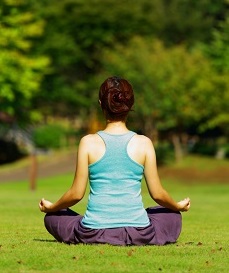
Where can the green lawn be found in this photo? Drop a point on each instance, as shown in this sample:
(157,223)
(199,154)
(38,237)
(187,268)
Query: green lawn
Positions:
(25,246)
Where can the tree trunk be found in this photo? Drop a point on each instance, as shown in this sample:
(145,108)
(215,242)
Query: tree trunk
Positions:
(177,147)
(33,172)
(94,124)
(149,130)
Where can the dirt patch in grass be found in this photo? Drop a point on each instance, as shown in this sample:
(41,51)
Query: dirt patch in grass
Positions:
(47,165)
(193,175)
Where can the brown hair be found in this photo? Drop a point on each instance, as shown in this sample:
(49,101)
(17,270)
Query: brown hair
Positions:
(116,97)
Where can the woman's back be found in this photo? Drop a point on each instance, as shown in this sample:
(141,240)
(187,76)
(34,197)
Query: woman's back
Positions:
(115,185)
(136,148)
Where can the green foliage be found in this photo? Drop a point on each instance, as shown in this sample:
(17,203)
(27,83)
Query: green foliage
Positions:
(189,22)
(205,148)
(52,58)
(217,147)
(226,149)
(164,152)
(49,136)
(218,50)
(9,152)
(20,70)
(75,44)
(174,87)
(77,32)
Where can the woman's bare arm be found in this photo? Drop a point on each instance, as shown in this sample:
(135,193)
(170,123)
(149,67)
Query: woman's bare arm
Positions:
(78,188)
(156,190)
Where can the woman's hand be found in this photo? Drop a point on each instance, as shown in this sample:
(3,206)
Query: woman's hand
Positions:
(184,205)
(45,205)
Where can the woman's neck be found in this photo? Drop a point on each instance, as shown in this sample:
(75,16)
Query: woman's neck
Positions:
(116,127)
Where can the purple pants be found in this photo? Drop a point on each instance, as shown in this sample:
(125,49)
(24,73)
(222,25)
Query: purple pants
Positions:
(165,227)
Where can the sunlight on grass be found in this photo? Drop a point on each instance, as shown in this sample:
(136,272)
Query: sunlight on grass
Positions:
(201,163)
(25,246)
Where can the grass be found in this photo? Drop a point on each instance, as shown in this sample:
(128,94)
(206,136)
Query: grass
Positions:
(201,163)
(25,246)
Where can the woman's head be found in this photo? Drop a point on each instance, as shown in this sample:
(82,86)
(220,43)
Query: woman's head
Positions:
(116,97)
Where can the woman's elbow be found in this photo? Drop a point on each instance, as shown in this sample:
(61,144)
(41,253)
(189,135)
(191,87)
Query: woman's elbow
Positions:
(77,197)
(157,196)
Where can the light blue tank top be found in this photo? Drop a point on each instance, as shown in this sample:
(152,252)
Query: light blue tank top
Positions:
(115,187)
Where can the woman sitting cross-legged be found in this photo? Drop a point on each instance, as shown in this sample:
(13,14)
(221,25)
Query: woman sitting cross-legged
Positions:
(115,160)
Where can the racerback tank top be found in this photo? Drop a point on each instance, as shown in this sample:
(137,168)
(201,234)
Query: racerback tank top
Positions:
(115,187)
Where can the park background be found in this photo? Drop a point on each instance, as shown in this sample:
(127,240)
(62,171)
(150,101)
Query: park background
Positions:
(54,55)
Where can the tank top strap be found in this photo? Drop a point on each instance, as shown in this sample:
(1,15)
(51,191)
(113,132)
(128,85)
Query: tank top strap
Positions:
(116,143)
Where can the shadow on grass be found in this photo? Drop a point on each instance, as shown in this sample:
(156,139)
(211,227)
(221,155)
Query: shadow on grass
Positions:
(45,241)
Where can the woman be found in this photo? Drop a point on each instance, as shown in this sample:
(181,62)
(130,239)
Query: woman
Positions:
(115,161)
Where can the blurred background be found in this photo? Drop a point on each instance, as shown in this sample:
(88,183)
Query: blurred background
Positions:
(55,54)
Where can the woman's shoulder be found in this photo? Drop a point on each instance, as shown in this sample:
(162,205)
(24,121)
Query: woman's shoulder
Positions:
(94,146)
(90,138)
(144,142)
(138,148)
(142,139)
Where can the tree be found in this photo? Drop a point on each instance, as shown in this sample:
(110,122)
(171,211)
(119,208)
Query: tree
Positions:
(76,34)
(217,51)
(189,22)
(175,88)
(21,71)
(78,31)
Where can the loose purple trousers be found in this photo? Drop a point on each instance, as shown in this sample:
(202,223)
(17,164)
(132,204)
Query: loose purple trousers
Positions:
(165,227)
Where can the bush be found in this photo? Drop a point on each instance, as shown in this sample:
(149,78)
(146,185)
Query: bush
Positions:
(226,149)
(9,152)
(164,153)
(49,136)
(204,148)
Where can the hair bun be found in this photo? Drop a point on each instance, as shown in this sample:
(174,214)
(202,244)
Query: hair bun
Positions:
(117,98)
(117,101)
